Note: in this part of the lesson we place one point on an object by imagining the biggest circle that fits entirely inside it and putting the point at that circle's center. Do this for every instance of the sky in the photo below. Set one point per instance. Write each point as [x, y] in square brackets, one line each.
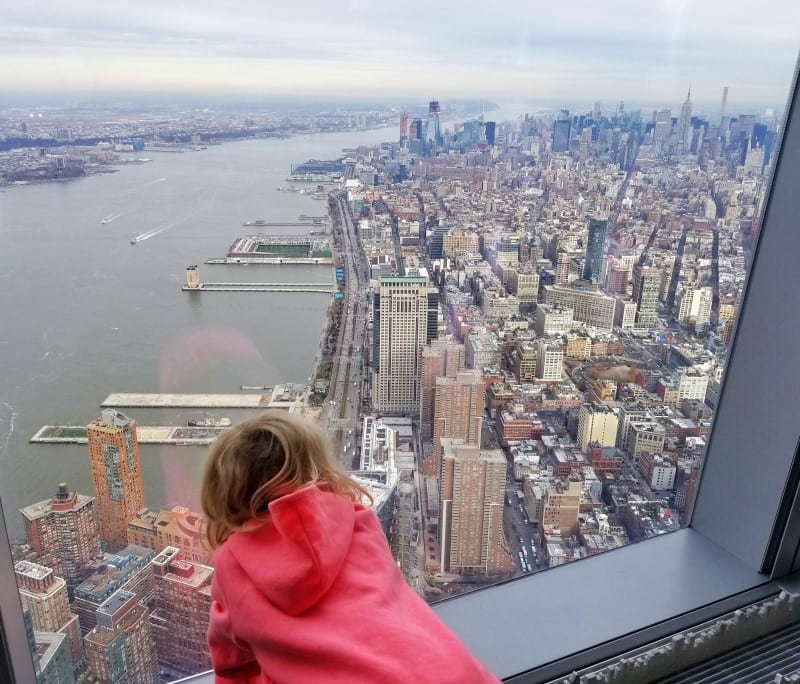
[645, 52]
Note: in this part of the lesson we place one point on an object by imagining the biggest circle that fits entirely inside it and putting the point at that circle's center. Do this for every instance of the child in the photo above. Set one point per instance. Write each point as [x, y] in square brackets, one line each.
[305, 589]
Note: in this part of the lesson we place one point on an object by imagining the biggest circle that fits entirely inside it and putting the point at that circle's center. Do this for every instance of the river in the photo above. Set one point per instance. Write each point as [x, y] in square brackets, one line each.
[85, 313]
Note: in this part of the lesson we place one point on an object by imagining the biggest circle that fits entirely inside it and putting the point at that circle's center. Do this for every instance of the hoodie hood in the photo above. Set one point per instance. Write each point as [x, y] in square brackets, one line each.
[296, 556]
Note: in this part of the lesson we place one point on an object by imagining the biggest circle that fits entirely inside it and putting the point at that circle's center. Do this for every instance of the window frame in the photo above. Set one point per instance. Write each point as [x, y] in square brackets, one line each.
[743, 539]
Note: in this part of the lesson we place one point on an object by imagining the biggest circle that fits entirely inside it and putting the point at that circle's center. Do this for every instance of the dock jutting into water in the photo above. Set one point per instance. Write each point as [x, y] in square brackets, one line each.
[177, 436]
[260, 287]
[198, 401]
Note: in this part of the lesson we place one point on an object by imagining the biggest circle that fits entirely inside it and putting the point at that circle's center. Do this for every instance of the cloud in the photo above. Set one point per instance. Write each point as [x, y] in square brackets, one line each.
[507, 49]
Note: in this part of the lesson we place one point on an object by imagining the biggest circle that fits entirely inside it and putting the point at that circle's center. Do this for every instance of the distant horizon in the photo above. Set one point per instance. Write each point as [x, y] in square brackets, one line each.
[514, 50]
[159, 100]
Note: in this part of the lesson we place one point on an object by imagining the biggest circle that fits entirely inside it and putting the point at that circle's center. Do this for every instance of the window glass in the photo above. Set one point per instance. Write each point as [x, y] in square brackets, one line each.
[497, 254]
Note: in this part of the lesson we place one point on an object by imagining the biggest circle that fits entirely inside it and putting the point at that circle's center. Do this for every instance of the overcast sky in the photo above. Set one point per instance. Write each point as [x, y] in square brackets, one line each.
[645, 52]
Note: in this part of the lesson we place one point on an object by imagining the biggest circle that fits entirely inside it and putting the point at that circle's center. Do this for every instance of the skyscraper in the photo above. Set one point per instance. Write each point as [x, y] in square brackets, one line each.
[458, 410]
[63, 532]
[440, 359]
[646, 284]
[401, 315]
[684, 125]
[471, 510]
[45, 596]
[561, 131]
[562, 266]
[433, 131]
[490, 127]
[116, 474]
[180, 620]
[120, 648]
[593, 265]
[403, 127]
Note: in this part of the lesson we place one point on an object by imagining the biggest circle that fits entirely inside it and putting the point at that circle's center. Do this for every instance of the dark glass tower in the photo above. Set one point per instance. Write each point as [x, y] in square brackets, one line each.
[594, 249]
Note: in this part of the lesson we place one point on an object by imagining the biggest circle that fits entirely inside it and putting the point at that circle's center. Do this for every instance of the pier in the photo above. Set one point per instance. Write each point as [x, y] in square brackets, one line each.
[271, 260]
[177, 436]
[197, 401]
[287, 395]
[278, 224]
[258, 287]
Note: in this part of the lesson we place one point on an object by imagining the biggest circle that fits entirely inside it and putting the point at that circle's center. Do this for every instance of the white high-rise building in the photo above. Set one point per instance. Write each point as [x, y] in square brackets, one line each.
[596, 423]
[694, 307]
[402, 328]
[549, 361]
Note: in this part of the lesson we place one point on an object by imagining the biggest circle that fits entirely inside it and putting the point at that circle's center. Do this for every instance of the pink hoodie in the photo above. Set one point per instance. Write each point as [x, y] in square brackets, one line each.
[315, 596]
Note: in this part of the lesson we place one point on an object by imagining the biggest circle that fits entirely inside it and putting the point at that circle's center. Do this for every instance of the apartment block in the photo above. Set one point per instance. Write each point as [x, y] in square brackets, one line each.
[116, 475]
[62, 530]
[471, 512]
[179, 621]
[120, 646]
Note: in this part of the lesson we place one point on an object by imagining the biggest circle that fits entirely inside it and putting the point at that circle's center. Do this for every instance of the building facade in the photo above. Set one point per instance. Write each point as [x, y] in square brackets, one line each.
[62, 530]
[401, 322]
[597, 423]
[45, 597]
[179, 621]
[471, 520]
[646, 286]
[116, 475]
[120, 647]
[549, 361]
[593, 264]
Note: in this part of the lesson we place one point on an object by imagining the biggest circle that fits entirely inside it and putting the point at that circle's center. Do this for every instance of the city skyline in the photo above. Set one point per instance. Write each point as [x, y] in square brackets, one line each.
[545, 53]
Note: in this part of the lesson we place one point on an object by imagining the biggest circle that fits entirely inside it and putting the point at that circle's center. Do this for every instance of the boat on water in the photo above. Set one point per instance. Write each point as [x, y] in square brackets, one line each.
[110, 218]
[209, 421]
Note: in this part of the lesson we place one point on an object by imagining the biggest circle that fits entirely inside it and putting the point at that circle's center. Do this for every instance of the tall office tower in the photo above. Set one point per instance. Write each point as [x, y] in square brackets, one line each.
[458, 410]
[45, 596]
[595, 242]
[561, 131]
[562, 266]
[549, 361]
[120, 648]
[722, 107]
[471, 510]
[490, 127]
[401, 315]
[403, 127]
[646, 285]
[63, 532]
[433, 131]
[684, 124]
[179, 621]
[116, 474]
[596, 423]
[440, 359]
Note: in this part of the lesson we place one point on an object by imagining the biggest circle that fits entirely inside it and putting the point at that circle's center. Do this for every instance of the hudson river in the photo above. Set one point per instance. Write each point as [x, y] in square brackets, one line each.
[85, 313]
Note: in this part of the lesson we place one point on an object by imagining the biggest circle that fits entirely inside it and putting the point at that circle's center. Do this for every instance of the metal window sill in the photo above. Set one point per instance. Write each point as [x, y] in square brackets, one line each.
[544, 625]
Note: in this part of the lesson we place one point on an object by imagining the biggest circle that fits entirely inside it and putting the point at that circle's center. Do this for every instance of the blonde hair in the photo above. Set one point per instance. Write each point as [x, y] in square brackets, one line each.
[260, 460]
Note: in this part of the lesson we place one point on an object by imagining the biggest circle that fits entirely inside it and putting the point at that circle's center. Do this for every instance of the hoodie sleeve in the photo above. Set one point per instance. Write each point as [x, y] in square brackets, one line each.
[233, 662]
